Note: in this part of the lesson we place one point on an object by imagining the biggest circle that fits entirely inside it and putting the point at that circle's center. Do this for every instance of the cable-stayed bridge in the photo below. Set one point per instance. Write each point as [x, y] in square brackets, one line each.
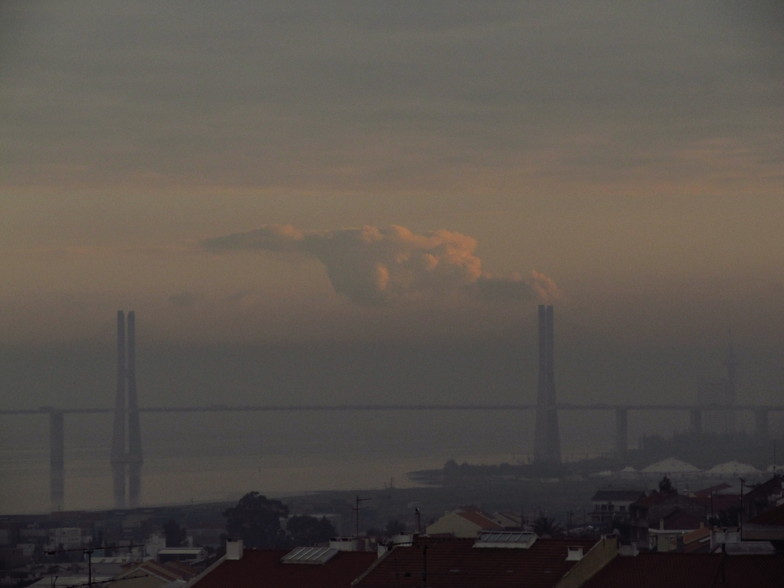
[126, 450]
[621, 416]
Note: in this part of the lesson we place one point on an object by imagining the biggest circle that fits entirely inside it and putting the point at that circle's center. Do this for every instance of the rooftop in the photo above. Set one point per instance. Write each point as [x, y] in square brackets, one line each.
[454, 563]
[337, 572]
[697, 570]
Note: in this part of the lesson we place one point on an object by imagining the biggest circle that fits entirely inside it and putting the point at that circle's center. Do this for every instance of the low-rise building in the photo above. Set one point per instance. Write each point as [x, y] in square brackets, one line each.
[657, 520]
[610, 504]
[466, 522]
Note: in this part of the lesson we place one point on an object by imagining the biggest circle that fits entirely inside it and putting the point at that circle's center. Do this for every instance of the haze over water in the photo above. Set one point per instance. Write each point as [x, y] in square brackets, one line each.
[220, 456]
[212, 457]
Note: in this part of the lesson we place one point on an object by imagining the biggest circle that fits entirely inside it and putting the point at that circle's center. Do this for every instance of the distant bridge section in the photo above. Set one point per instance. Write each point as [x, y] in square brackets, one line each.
[57, 422]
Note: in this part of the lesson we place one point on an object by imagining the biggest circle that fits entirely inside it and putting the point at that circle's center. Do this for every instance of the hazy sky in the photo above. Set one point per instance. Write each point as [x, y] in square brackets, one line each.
[352, 183]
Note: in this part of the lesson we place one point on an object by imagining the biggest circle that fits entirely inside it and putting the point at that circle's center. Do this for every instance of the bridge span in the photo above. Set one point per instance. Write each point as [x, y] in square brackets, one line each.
[397, 407]
[695, 411]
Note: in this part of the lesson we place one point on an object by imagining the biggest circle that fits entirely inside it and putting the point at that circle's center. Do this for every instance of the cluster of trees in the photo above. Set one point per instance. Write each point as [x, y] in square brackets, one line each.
[175, 534]
[264, 523]
[256, 520]
[393, 527]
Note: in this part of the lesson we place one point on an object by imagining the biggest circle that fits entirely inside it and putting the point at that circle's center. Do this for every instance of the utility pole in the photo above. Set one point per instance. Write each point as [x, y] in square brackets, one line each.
[357, 502]
[742, 510]
[424, 565]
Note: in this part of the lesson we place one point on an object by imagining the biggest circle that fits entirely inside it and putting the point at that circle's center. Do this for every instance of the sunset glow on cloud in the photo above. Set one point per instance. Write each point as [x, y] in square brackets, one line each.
[372, 265]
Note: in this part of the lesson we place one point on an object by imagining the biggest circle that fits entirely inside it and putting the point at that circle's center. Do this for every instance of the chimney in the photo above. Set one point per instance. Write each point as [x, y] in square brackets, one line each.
[574, 553]
[234, 549]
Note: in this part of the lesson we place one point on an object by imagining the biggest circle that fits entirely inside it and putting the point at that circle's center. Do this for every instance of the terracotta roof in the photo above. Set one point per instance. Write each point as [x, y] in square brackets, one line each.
[720, 502]
[263, 567]
[697, 541]
[681, 519]
[455, 563]
[712, 490]
[765, 488]
[168, 572]
[774, 516]
[697, 570]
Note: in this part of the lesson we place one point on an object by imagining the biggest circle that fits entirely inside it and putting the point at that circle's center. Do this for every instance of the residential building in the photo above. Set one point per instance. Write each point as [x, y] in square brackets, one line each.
[657, 520]
[466, 522]
[610, 504]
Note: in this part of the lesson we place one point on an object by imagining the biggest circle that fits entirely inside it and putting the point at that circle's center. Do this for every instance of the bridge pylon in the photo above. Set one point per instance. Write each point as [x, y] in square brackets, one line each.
[57, 459]
[126, 457]
[547, 440]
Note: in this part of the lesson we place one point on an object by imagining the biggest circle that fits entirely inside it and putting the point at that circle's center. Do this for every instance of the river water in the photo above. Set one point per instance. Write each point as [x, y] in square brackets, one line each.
[220, 456]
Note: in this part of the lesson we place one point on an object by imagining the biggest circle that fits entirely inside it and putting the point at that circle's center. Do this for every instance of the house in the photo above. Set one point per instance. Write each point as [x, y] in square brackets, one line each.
[762, 497]
[466, 522]
[722, 502]
[609, 504]
[657, 520]
[325, 567]
[495, 559]
[768, 526]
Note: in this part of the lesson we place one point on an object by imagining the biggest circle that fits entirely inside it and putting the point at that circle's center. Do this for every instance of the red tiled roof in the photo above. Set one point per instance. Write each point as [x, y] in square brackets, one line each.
[681, 519]
[719, 502]
[697, 570]
[711, 490]
[455, 563]
[765, 488]
[259, 568]
[180, 566]
[169, 571]
[774, 516]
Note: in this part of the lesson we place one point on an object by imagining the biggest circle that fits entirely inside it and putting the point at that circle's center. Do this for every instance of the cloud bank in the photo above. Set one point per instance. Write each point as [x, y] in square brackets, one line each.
[393, 265]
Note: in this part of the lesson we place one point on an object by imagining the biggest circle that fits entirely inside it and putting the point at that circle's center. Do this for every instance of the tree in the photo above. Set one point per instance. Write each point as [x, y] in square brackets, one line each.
[256, 520]
[665, 486]
[394, 527]
[305, 531]
[174, 533]
[545, 526]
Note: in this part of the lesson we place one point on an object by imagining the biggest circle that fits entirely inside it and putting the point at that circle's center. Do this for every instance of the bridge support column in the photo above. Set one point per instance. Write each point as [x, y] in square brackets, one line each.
[695, 421]
[621, 432]
[126, 458]
[761, 424]
[547, 440]
[57, 460]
